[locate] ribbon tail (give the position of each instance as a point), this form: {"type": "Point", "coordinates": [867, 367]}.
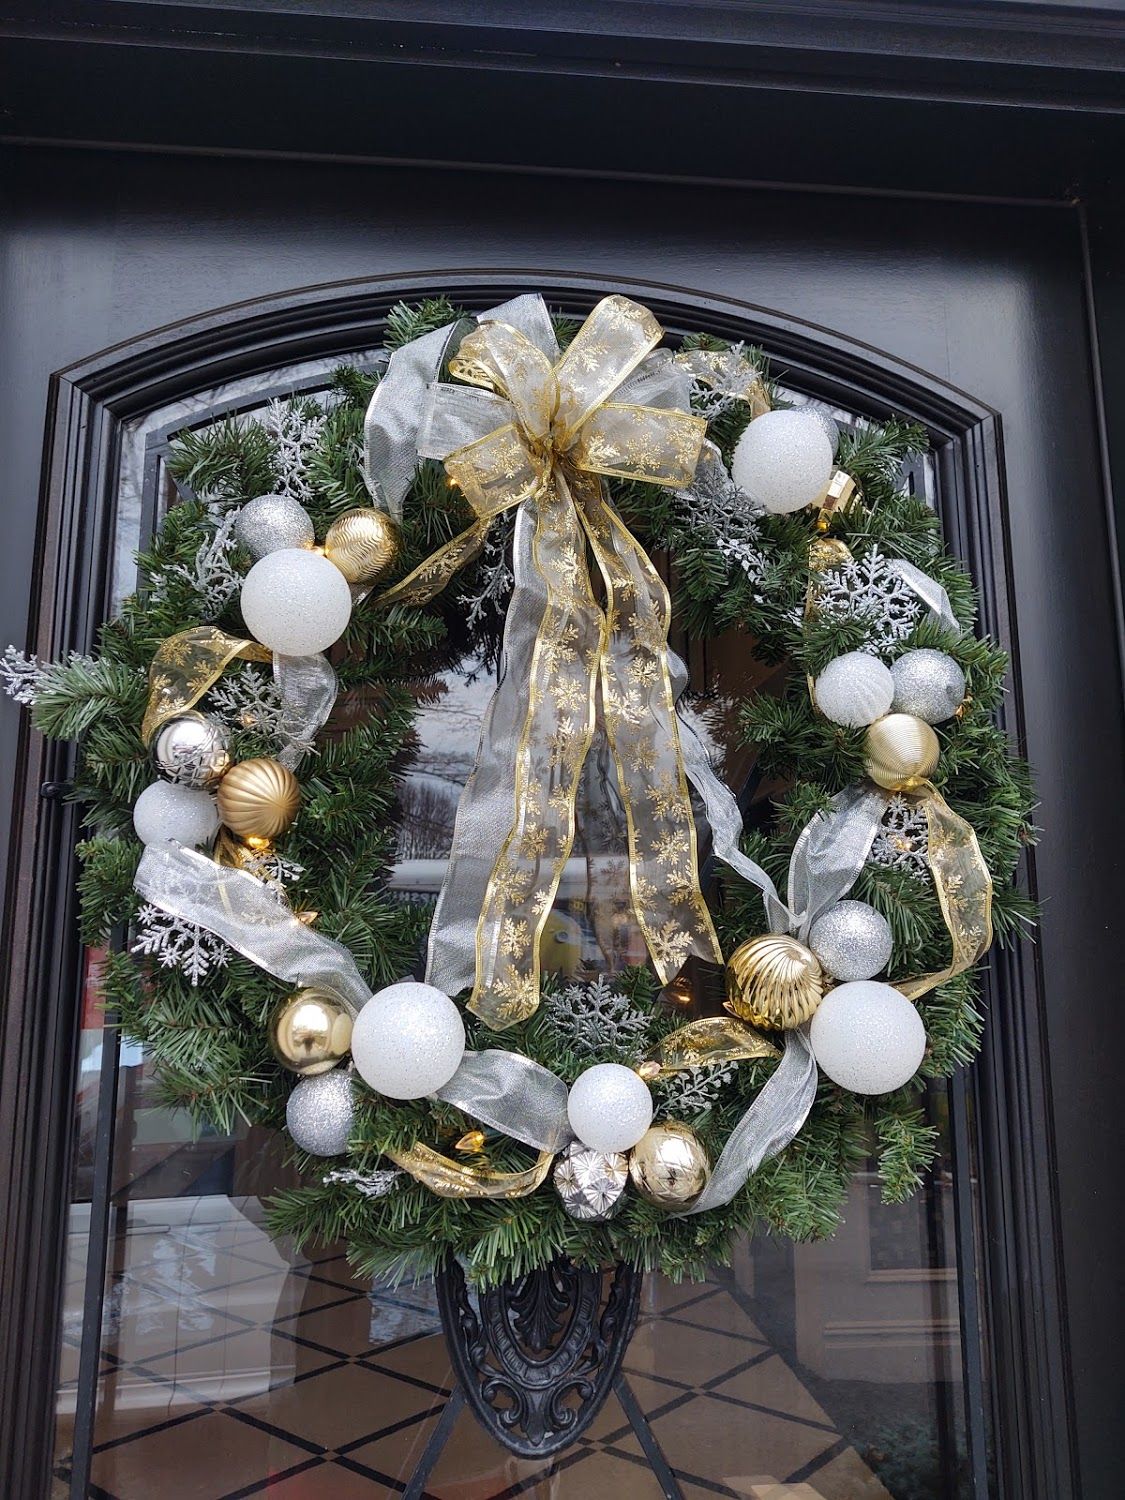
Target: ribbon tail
{"type": "Point", "coordinates": [453, 1179]}
{"type": "Point", "coordinates": [964, 891]}
{"type": "Point", "coordinates": [307, 686]}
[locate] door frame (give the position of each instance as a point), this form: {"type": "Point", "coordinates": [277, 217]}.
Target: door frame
{"type": "Point", "coordinates": [1006, 1097]}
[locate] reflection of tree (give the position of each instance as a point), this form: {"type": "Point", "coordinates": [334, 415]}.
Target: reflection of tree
{"type": "Point", "coordinates": [426, 812]}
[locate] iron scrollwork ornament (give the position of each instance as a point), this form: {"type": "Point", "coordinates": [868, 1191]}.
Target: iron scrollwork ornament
{"type": "Point", "coordinates": [536, 1357]}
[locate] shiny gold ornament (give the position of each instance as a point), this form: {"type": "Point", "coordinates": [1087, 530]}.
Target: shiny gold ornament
{"type": "Point", "coordinates": [648, 1070]}
{"type": "Point", "coordinates": [258, 799]}
{"type": "Point", "coordinates": [841, 495]}
{"type": "Point", "coordinates": [774, 981]}
{"type": "Point", "coordinates": [470, 1144]}
{"type": "Point", "coordinates": [669, 1166]}
{"type": "Point", "coordinates": [311, 1032]}
{"type": "Point", "coordinates": [679, 994]}
{"type": "Point", "coordinates": [362, 543]}
{"type": "Point", "coordinates": [900, 752]}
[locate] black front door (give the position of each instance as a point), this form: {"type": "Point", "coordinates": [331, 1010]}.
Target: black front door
{"type": "Point", "coordinates": [968, 316]}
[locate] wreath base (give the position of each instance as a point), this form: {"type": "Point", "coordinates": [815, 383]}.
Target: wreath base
{"type": "Point", "coordinates": [536, 1357]}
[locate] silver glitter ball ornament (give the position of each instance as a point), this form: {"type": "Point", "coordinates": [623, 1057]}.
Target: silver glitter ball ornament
{"type": "Point", "coordinates": [928, 684]}
{"type": "Point", "coordinates": [852, 940]}
{"type": "Point", "coordinates": [319, 1113]}
{"type": "Point", "coordinates": [591, 1183]}
{"type": "Point", "coordinates": [191, 750]}
{"type": "Point", "coordinates": [272, 522]}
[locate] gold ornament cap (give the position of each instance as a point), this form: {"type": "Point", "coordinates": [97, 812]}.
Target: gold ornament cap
{"type": "Point", "coordinates": [774, 981]}
{"type": "Point", "coordinates": [311, 1032]}
{"type": "Point", "coordinates": [258, 798]}
{"type": "Point", "coordinates": [363, 543]}
{"type": "Point", "coordinates": [669, 1166]}
{"type": "Point", "coordinates": [900, 752]}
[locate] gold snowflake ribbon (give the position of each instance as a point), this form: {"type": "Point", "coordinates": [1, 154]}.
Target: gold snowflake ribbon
{"type": "Point", "coordinates": [534, 431]}
{"type": "Point", "coordinates": [185, 666]}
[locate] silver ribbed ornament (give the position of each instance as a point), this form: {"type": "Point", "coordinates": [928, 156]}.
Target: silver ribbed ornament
{"type": "Point", "coordinates": [319, 1113]}
{"type": "Point", "coordinates": [852, 940]}
{"type": "Point", "coordinates": [191, 750]}
{"type": "Point", "coordinates": [591, 1183]}
{"type": "Point", "coordinates": [928, 684]}
{"type": "Point", "coordinates": [272, 522]}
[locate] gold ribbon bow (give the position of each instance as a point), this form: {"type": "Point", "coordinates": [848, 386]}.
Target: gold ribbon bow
{"type": "Point", "coordinates": [541, 433]}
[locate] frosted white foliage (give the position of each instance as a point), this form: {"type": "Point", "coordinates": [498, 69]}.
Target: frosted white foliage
{"type": "Point", "coordinates": [869, 589]}
{"type": "Point", "coordinates": [177, 944]}
{"type": "Point", "coordinates": [295, 427]}
{"type": "Point", "coordinates": [692, 1093]}
{"type": "Point", "coordinates": [248, 700]}
{"type": "Point", "coordinates": [902, 841]}
{"type": "Point", "coordinates": [366, 1184]}
{"type": "Point", "coordinates": [212, 576]}
{"type": "Point", "coordinates": [714, 507]}
{"type": "Point", "coordinates": [25, 678]}
{"type": "Point", "coordinates": [491, 598]}
{"type": "Point", "coordinates": [267, 864]}
{"type": "Point", "coordinates": [596, 1018]}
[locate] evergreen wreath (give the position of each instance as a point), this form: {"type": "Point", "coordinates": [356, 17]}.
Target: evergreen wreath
{"type": "Point", "coordinates": [204, 1011]}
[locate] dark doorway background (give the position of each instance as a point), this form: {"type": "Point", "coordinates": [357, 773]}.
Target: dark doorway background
{"type": "Point", "coordinates": [937, 182]}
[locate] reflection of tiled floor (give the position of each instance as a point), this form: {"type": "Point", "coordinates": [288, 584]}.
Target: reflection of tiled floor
{"type": "Point", "coordinates": [232, 1371]}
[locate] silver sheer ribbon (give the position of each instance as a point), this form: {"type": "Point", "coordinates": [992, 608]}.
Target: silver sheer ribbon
{"type": "Point", "coordinates": [307, 688]}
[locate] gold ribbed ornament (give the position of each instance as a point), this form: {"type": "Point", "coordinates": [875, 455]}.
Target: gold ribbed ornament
{"type": "Point", "coordinates": [362, 543]}
{"type": "Point", "coordinates": [258, 798]}
{"type": "Point", "coordinates": [669, 1166]}
{"type": "Point", "coordinates": [900, 752]}
{"type": "Point", "coordinates": [774, 981]}
{"type": "Point", "coordinates": [311, 1032]}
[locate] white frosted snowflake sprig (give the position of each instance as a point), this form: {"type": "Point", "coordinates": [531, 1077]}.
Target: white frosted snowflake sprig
{"type": "Point", "coordinates": [870, 589]}
{"type": "Point", "coordinates": [367, 1184]}
{"type": "Point", "coordinates": [714, 507]}
{"type": "Point", "coordinates": [295, 427]}
{"type": "Point", "coordinates": [23, 677]}
{"type": "Point", "coordinates": [710, 399]}
{"type": "Point", "coordinates": [692, 1093]}
{"type": "Point", "coordinates": [212, 576]}
{"type": "Point", "coordinates": [249, 700]}
{"type": "Point", "coordinates": [274, 868]}
{"type": "Point", "coordinates": [597, 1018]}
{"type": "Point", "coordinates": [903, 840]}
{"type": "Point", "coordinates": [177, 944]}
{"type": "Point", "coordinates": [491, 598]}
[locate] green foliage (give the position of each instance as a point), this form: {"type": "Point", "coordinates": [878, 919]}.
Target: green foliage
{"type": "Point", "coordinates": [210, 1043]}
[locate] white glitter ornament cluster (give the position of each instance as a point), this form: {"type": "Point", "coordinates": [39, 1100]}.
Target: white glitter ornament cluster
{"type": "Point", "coordinates": [855, 689]}
{"type": "Point", "coordinates": [181, 814]}
{"type": "Point", "coordinates": [928, 684]}
{"type": "Point", "coordinates": [867, 1037]}
{"type": "Point", "coordinates": [408, 1040]}
{"type": "Point", "coordinates": [296, 602]}
{"type": "Point", "coordinates": [852, 940]}
{"type": "Point", "coordinates": [610, 1107]}
{"type": "Point", "coordinates": [783, 461]}
{"type": "Point", "coordinates": [320, 1111]}
{"type": "Point", "coordinates": [271, 522]}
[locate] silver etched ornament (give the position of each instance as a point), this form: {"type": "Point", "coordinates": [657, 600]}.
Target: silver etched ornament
{"type": "Point", "coordinates": [591, 1183]}
{"type": "Point", "coordinates": [852, 940]}
{"type": "Point", "coordinates": [191, 750]}
{"type": "Point", "coordinates": [272, 522]}
{"type": "Point", "coordinates": [928, 684]}
{"type": "Point", "coordinates": [319, 1112]}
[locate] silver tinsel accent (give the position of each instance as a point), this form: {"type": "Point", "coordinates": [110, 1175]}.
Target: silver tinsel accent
{"type": "Point", "coordinates": [852, 940]}
{"type": "Point", "coordinates": [591, 1184]}
{"type": "Point", "coordinates": [595, 1018]}
{"type": "Point", "coordinates": [191, 750]}
{"type": "Point", "coordinates": [714, 506]}
{"type": "Point", "coordinates": [178, 944]}
{"type": "Point", "coordinates": [869, 589]}
{"type": "Point", "coordinates": [903, 841]}
{"type": "Point", "coordinates": [270, 522]}
{"type": "Point", "coordinates": [319, 1113]}
{"type": "Point", "coordinates": [928, 684]}
{"type": "Point", "coordinates": [212, 576]}
{"type": "Point", "coordinates": [366, 1184]}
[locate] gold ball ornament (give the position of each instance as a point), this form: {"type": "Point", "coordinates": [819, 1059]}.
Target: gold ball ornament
{"type": "Point", "coordinates": [362, 543]}
{"type": "Point", "coordinates": [669, 1166]}
{"type": "Point", "coordinates": [900, 752]}
{"type": "Point", "coordinates": [311, 1032]}
{"type": "Point", "coordinates": [258, 799]}
{"type": "Point", "coordinates": [774, 981]}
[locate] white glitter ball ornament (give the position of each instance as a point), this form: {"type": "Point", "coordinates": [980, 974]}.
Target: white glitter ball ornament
{"type": "Point", "coordinates": [855, 689]}
{"type": "Point", "coordinates": [928, 684]}
{"type": "Point", "coordinates": [609, 1108]}
{"type": "Point", "coordinates": [272, 522]}
{"type": "Point", "coordinates": [783, 460]}
{"type": "Point", "coordinates": [180, 814]}
{"type": "Point", "coordinates": [822, 415]}
{"type": "Point", "coordinates": [319, 1113]}
{"type": "Point", "coordinates": [852, 940]}
{"type": "Point", "coordinates": [867, 1037]}
{"type": "Point", "coordinates": [296, 602]}
{"type": "Point", "coordinates": [591, 1184]}
{"type": "Point", "coordinates": [408, 1040]}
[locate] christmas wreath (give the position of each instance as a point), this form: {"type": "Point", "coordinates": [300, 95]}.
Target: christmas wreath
{"type": "Point", "coordinates": [517, 467]}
